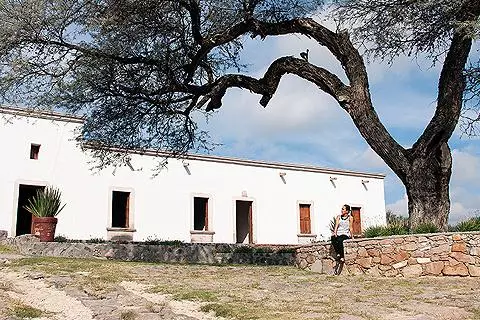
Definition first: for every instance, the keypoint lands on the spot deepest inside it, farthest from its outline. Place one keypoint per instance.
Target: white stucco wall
(161, 206)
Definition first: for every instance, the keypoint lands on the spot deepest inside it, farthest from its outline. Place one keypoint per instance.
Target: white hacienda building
(197, 199)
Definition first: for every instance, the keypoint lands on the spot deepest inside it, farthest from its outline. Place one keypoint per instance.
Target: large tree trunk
(427, 184)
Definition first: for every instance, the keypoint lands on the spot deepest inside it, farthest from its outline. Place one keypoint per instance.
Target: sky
(303, 125)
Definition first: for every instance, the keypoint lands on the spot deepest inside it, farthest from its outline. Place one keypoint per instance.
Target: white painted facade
(161, 206)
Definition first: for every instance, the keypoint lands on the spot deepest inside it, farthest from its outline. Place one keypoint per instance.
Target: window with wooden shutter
(305, 224)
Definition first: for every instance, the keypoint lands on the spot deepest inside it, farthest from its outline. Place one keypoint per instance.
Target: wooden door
(250, 223)
(357, 222)
(305, 225)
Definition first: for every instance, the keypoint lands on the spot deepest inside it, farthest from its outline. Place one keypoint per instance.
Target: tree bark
(427, 184)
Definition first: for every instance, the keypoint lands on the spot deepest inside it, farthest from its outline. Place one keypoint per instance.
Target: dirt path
(107, 290)
(59, 298)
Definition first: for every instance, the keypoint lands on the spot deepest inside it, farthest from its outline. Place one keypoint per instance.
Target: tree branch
(268, 84)
(450, 88)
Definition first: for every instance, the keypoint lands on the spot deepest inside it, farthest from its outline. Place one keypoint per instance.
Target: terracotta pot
(44, 228)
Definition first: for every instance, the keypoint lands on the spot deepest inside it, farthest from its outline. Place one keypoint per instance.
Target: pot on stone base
(44, 228)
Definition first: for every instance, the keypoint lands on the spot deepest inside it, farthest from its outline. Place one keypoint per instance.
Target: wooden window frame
(206, 211)
(127, 209)
(34, 151)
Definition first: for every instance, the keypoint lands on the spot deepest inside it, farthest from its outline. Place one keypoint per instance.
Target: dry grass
(254, 292)
(6, 249)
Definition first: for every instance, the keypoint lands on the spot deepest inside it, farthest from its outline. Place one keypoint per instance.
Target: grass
(229, 311)
(23, 311)
(6, 249)
(128, 315)
(264, 292)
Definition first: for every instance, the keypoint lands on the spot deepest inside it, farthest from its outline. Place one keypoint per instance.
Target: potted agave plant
(44, 207)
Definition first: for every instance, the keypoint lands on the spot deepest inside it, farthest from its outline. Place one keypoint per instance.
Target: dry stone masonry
(440, 254)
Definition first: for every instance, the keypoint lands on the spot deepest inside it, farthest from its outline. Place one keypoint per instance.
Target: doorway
(24, 218)
(357, 222)
(244, 224)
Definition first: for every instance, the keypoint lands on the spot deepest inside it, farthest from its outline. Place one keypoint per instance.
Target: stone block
(384, 268)
(475, 251)
(364, 262)
(388, 249)
(443, 248)
(410, 246)
(317, 266)
(386, 259)
(434, 268)
(373, 271)
(399, 240)
(354, 269)
(400, 264)
(417, 254)
(423, 260)
(362, 252)
(373, 252)
(462, 257)
(310, 259)
(439, 238)
(474, 271)
(457, 270)
(400, 256)
(327, 266)
(386, 242)
(391, 273)
(368, 243)
(376, 260)
(412, 261)
(457, 237)
(303, 264)
(350, 256)
(412, 271)
(459, 247)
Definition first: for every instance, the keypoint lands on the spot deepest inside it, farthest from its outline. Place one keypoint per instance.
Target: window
(120, 209)
(34, 150)
(305, 224)
(200, 213)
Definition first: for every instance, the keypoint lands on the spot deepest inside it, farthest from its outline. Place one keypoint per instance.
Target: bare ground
(53, 288)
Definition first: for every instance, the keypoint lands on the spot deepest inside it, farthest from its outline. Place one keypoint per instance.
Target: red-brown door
(305, 225)
(357, 222)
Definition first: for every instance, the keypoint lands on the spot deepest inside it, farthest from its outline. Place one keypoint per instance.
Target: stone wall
(441, 254)
(169, 253)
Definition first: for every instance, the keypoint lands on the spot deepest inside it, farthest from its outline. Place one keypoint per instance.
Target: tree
(141, 70)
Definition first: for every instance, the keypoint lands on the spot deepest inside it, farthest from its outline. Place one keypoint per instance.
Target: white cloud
(303, 125)
(466, 168)
(399, 207)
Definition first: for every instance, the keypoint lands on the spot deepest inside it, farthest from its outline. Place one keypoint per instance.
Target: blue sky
(303, 125)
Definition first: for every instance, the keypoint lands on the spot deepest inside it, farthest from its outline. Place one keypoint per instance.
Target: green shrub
(426, 227)
(45, 203)
(332, 223)
(396, 229)
(385, 231)
(95, 240)
(60, 238)
(374, 231)
(472, 224)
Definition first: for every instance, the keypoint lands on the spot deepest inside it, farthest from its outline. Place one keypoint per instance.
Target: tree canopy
(140, 70)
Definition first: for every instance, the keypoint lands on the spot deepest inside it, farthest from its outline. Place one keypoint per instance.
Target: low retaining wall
(440, 254)
(169, 253)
